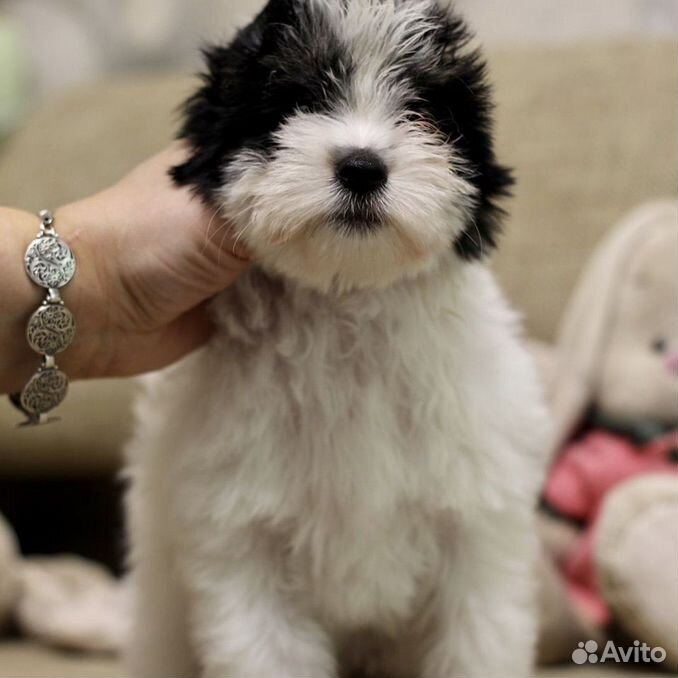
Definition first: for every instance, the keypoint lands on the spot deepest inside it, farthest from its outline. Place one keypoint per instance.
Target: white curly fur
(335, 465)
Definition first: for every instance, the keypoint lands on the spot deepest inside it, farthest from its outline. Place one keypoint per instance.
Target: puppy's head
(348, 141)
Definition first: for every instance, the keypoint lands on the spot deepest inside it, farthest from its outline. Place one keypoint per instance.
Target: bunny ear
(587, 319)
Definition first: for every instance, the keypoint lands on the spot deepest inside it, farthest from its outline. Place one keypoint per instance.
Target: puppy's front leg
(247, 623)
(485, 616)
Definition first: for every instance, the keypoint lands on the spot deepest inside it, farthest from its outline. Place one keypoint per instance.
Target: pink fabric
(672, 362)
(583, 475)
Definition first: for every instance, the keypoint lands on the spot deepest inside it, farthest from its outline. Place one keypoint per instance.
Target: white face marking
(285, 207)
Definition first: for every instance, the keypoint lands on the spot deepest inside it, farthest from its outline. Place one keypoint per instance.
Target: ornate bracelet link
(50, 264)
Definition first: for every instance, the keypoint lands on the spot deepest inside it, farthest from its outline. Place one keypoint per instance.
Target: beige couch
(589, 129)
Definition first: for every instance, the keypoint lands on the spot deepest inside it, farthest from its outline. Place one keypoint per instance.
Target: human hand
(149, 256)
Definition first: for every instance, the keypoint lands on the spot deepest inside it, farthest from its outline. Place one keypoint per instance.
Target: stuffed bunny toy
(611, 499)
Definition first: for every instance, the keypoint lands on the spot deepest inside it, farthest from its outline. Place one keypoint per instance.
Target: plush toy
(611, 499)
(63, 601)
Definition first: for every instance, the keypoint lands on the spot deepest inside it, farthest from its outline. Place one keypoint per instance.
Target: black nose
(361, 171)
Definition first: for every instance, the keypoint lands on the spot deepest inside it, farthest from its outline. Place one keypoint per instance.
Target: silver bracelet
(49, 263)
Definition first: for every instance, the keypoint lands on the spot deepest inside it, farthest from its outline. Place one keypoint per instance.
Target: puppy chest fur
(337, 452)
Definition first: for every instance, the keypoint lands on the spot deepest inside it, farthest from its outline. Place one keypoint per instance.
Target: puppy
(344, 479)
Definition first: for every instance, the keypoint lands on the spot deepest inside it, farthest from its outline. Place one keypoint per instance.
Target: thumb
(222, 257)
(199, 264)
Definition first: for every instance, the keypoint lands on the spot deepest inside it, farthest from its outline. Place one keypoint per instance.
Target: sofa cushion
(591, 132)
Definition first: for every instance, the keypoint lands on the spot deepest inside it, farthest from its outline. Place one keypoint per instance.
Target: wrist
(86, 295)
(82, 296)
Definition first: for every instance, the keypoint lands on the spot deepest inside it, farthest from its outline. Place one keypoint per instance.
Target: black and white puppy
(344, 478)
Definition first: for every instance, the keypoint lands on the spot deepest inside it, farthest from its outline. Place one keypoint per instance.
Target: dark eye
(659, 345)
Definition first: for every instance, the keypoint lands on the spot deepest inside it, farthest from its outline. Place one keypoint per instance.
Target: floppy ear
(232, 104)
(228, 67)
(584, 328)
(458, 96)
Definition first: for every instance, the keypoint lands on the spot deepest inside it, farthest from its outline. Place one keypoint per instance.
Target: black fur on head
(284, 61)
(293, 58)
(456, 94)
